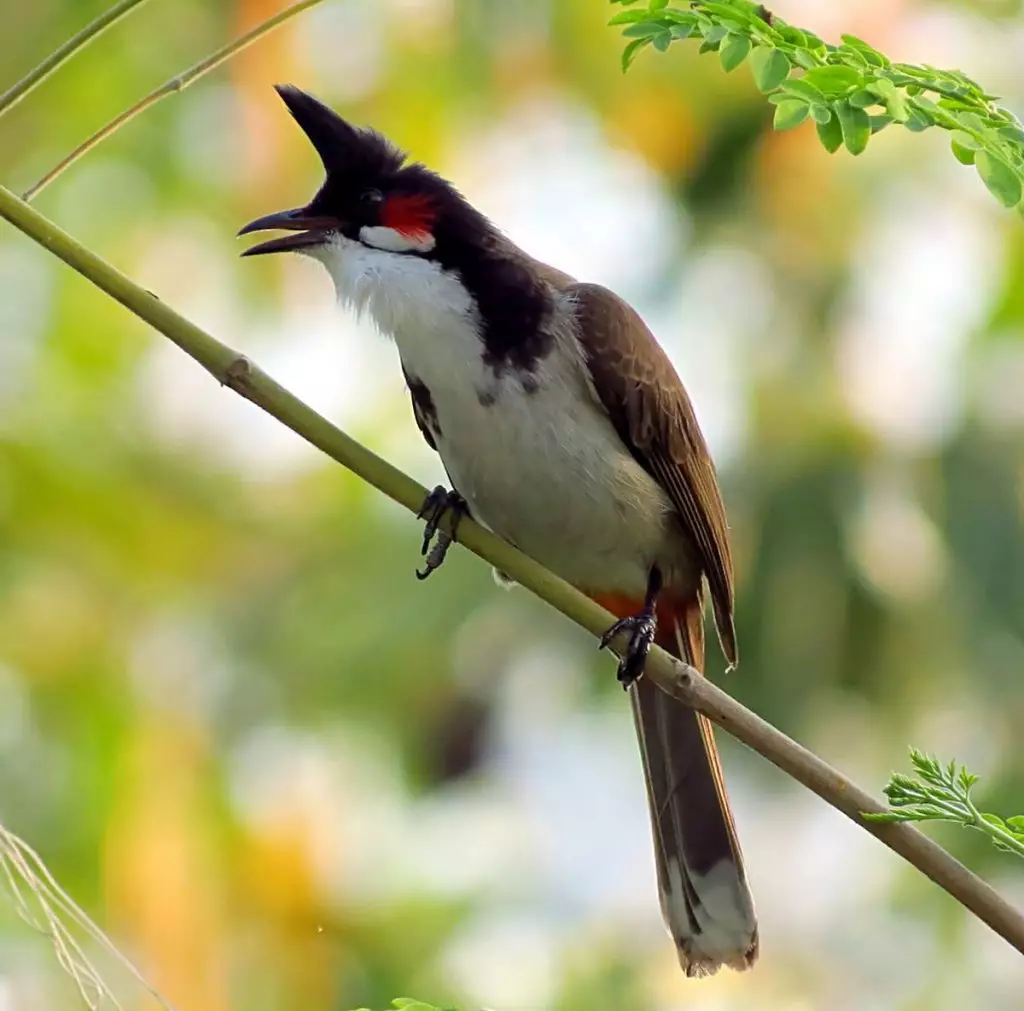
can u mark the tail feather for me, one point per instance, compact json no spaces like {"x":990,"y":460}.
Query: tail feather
{"x":703,"y":887}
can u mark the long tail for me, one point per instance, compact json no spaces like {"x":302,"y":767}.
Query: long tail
{"x":705,"y":899}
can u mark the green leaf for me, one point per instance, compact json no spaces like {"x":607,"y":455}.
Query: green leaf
{"x":919,"y":120}
{"x":662,"y":40}
{"x":869,"y":52}
{"x":715,"y":34}
{"x":646,"y":29}
{"x":679,"y":17}
{"x":964,"y":147}
{"x":896,"y":103}
{"x":629,"y":53}
{"x":629,"y":18}
{"x":966,"y":779}
{"x":813,"y":42}
{"x":856,"y":126}
{"x":793,"y":35}
{"x":734,"y":51}
{"x":862,"y":98}
{"x":800,"y":87}
{"x":770,"y":67}
{"x":886,"y":817}
{"x":1003,"y":183}
{"x":850,"y":55}
{"x":972,"y":121}
{"x":657,"y":5}
{"x":894,"y":99}
{"x":736,"y":11}
{"x":790,"y":113}
{"x":834,"y":79}
{"x":820,"y":113}
{"x":879,"y":123}
{"x":1016,"y":822}
{"x":830,"y":134}
{"x":802,"y":58}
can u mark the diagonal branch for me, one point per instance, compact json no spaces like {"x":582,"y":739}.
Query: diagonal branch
{"x":679,"y":680}
{"x":92,"y":31}
{"x":177,"y":83}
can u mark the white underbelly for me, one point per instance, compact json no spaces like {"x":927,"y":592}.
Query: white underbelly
{"x":547,"y":471}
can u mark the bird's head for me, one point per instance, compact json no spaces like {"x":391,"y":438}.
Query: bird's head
{"x":370,"y":195}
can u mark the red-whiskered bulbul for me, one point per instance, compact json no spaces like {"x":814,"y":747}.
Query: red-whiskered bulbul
{"x":564,"y":428}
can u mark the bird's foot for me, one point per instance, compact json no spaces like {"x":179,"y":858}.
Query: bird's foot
{"x":435,"y":507}
{"x":641,"y":629}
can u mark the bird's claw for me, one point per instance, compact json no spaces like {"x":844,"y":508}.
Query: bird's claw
{"x":641,"y":629}
{"x":435,"y":506}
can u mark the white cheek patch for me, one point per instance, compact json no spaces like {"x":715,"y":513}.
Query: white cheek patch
{"x":393,"y":241}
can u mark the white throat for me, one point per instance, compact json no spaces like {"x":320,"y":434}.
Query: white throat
{"x":411,"y":299}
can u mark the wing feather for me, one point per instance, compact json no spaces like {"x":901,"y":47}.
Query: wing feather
{"x":652,"y":413}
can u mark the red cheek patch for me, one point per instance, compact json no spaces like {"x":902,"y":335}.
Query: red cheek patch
{"x":412,"y":215}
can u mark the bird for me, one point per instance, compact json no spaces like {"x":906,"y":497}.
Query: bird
{"x":565,"y":429}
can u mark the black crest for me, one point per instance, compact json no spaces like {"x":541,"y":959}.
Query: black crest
{"x":343,"y":148}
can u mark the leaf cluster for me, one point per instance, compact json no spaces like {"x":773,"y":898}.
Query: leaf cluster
{"x":850,"y":91}
{"x":943,"y":793}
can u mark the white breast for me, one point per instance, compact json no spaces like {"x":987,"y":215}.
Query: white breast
{"x":538,"y":462}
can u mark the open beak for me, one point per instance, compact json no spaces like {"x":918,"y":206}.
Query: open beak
{"x":307,"y":230}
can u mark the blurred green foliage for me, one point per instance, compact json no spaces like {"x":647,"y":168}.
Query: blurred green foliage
{"x":282,"y":772}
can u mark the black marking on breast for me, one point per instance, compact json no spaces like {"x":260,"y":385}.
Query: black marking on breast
{"x":423,"y":409}
{"x":514,"y":304}
{"x":486,"y":398}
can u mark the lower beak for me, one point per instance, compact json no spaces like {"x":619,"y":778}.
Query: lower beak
{"x":308,"y":230}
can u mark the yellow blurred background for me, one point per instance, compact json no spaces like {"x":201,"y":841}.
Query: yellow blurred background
{"x":283,"y":773}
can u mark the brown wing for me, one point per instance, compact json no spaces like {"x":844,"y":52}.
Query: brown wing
{"x":652,"y":413}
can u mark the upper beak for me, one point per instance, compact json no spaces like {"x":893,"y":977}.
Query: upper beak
{"x":308,"y":230}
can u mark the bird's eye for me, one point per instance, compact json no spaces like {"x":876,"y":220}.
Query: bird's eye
{"x":371,"y":198}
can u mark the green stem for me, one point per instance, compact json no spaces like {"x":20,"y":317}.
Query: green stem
{"x":674,"y":677}
{"x":1005,"y":839}
{"x":178,"y":83}
{"x":60,"y":56}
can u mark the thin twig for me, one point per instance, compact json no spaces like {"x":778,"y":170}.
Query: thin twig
{"x":53,"y":913}
{"x":177,"y":83}
{"x":236,"y":371}
{"x":92,"y":31}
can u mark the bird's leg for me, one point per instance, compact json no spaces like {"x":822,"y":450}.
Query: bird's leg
{"x":641,"y":628}
{"x":435,"y":506}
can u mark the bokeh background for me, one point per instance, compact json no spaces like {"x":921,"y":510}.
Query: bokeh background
{"x":286,"y":775}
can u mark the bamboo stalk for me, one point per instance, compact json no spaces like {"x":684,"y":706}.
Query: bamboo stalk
{"x":177,"y":83}
{"x":92,"y":31}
